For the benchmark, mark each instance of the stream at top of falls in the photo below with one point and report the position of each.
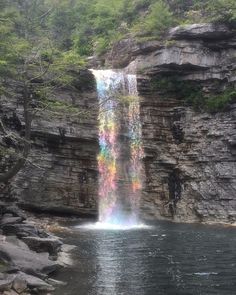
(162, 259)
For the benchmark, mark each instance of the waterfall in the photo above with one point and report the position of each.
(120, 157)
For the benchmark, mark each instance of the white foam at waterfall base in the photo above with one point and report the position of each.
(110, 86)
(113, 226)
(117, 222)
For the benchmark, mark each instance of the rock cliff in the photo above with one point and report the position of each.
(61, 171)
(189, 155)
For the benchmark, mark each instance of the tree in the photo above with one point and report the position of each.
(157, 21)
(32, 62)
(222, 11)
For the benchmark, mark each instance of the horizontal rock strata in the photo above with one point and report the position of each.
(189, 156)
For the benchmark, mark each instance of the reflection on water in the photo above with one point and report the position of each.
(166, 259)
(118, 268)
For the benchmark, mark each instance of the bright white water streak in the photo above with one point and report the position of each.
(113, 227)
(111, 85)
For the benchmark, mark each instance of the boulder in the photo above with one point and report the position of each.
(21, 257)
(34, 282)
(64, 257)
(10, 292)
(51, 245)
(10, 220)
(5, 282)
(20, 230)
(19, 284)
(56, 282)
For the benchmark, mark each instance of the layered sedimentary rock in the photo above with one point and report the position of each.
(61, 171)
(189, 156)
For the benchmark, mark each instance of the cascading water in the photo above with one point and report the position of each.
(120, 158)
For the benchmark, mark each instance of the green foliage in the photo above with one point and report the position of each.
(158, 20)
(222, 11)
(172, 85)
(91, 26)
(59, 107)
(191, 94)
(220, 102)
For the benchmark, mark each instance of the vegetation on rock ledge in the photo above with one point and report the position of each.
(191, 93)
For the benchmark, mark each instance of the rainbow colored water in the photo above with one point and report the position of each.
(121, 153)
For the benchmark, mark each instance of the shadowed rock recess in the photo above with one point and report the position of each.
(189, 155)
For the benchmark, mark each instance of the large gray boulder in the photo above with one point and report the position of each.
(51, 245)
(21, 257)
(21, 282)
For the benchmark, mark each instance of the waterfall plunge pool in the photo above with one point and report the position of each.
(128, 257)
(163, 259)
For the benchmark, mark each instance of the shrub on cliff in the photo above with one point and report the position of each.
(31, 68)
(222, 11)
(157, 21)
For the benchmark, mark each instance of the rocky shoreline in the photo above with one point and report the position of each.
(29, 255)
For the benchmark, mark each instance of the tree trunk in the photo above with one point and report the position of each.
(6, 177)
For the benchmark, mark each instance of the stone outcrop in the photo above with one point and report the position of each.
(28, 255)
(206, 31)
(60, 175)
(189, 159)
(126, 50)
(198, 55)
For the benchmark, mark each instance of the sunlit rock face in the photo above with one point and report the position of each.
(189, 156)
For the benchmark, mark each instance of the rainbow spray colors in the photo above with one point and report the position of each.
(111, 85)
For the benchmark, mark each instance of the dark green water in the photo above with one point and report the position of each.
(170, 259)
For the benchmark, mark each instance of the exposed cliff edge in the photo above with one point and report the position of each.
(189, 155)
